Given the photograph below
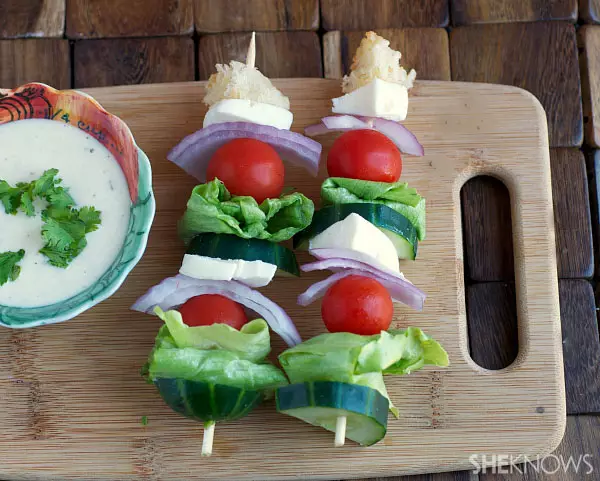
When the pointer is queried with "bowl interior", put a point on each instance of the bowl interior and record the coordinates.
(80, 110)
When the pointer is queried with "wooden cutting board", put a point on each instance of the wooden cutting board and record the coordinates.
(72, 399)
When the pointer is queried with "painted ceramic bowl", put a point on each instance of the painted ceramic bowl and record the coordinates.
(40, 101)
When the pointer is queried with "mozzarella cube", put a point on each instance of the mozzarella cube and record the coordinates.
(241, 110)
(377, 99)
(251, 273)
(359, 235)
(255, 273)
(201, 267)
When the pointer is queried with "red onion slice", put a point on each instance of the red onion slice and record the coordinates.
(400, 289)
(194, 152)
(351, 256)
(174, 291)
(403, 138)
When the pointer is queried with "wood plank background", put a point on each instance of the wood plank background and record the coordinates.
(551, 48)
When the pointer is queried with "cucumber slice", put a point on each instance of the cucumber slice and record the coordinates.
(320, 403)
(207, 402)
(393, 224)
(228, 246)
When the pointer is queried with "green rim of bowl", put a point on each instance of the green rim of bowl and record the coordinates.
(140, 221)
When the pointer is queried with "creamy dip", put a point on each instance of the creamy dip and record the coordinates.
(93, 177)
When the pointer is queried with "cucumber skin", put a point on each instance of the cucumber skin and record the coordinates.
(312, 393)
(230, 247)
(207, 402)
(393, 221)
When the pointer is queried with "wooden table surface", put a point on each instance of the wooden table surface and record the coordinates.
(551, 48)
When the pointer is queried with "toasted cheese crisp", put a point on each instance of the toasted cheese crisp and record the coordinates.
(375, 59)
(238, 81)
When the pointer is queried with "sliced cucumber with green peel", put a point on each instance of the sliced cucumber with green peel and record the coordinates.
(323, 403)
(231, 247)
(206, 401)
(393, 224)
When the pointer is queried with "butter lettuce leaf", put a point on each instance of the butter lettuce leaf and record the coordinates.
(355, 359)
(211, 208)
(218, 354)
(252, 342)
(218, 367)
(396, 195)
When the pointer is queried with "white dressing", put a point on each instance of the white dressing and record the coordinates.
(93, 177)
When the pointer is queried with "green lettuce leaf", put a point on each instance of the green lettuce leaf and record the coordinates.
(354, 359)
(396, 195)
(214, 354)
(211, 208)
(252, 342)
(218, 367)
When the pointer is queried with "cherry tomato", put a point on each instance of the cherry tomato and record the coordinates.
(248, 167)
(212, 309)
(357, 304)
(366, 155)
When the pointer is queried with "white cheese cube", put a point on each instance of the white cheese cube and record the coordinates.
(376, 99)
(251, 273)
(241, 110)
(255, 273)
(201, 267)
(359, 235)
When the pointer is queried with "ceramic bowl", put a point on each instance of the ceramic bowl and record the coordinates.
(35, 100)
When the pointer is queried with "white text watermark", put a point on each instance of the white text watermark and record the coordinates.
(549, 464)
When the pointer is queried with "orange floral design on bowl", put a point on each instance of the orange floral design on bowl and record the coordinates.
(39, 101)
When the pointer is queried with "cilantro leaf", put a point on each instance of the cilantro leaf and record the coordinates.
(27, 204)
(64, 233)
(64, 228)
(4, 187)
(59, 197)
(57, 258)
(57, 213)
(46, 182)
(57, 234)
(90, 217)
(10, 197)
(18, 197)
(9, 268)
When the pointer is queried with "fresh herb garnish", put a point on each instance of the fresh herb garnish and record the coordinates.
(9, 268)
(11, 197)
(64, 232)
(64, 227)
(90, 217)
(46, 182)
(21, 196)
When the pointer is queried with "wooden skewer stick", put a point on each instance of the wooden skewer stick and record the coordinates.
(207, 440)
(251, 55)
(340, 431)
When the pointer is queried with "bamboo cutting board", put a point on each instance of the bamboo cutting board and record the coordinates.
(72, 399)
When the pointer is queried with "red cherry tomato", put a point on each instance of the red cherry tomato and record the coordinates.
(212, 309)
(366, 155)
(357, 304)
(248, 167)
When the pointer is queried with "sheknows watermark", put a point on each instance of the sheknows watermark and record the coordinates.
(550, 464)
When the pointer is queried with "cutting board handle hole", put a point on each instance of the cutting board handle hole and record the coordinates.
(489, 273)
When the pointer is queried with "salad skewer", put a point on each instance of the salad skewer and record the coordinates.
(369, 221)
(208, 438)
(209, 363)
(340, 431)
(251, 55)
